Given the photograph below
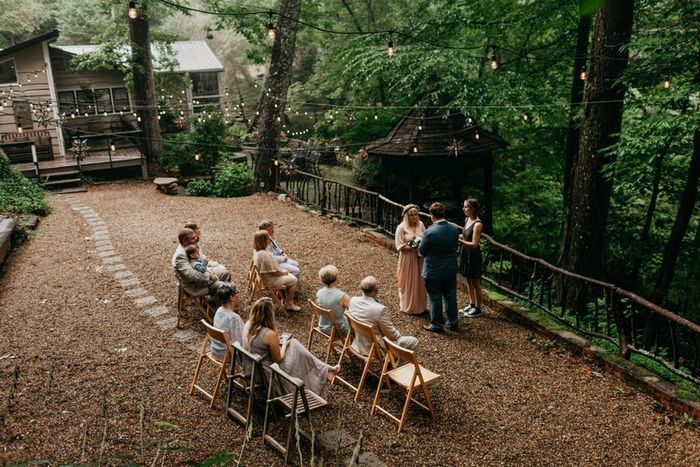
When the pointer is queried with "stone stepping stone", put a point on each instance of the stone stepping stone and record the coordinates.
(122, 274)
(115, 267)
(157, 311)
(112, 260)
(103, 243)
(129, 282)
(369, 459)
(168, 323)
(143, 301)
(328, 440)
(101, 237)
(109, 247)
(106, 253)
(185, 335)
(98, 232)
(135, 292)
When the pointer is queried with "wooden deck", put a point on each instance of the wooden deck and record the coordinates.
(96, 160)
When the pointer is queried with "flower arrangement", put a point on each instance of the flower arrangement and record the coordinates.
(415, 242)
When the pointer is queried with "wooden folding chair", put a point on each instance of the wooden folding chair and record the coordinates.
(250, 278)
(246, 377)
(297, 405)
(336, 333)
(185, 298)
(260, 287)
(220, 335)
(374, 355)
(408, 377)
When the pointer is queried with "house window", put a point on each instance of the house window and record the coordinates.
(8, 72)
(86, 101)
(121, 100)
(103, 99)
(23, 114)
(205, 84)
(66, 102)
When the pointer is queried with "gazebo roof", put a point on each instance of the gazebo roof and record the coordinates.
(437, 136)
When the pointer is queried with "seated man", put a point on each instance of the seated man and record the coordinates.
(367, 309)
(194, 282)
(285, 263)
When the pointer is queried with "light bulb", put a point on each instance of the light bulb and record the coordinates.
(390, 49)
(667, 83)
(583, 74)
(526, 117)
(415, 148)
(112, 147)
(476, 135)
(197, 156)
(271, 33)
(132, 10)
(494, 62)
(19, 127)
(138, 119)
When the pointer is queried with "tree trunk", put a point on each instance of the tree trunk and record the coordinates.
(583, 239)
(680, 225)
(577, 87)
(275, 92)
(144, 85)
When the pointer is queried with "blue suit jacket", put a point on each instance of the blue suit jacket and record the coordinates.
(439, 248)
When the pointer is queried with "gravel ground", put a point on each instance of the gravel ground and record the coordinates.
(92, 365)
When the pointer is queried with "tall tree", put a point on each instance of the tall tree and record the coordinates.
(274, 93)
(144, 84)
(583, 236)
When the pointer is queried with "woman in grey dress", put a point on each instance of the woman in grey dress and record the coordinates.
(291, 355)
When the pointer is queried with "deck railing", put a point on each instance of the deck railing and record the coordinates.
(594, 308)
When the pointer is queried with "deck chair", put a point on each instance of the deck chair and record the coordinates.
(335, 335)
(245, 377)
(297, 405)
(220, 335)
(409, 377)
(199, 300)
(260, 287)
(375, 353)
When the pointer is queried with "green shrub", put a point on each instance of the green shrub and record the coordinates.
(199, 187)
(18, 194)
(178, 156)
(233, 179)
(367, 170)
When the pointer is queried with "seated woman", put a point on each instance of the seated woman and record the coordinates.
(332, 298)
(270, 272)
(291, 356)
(227, 319)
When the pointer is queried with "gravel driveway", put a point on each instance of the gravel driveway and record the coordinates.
(98, 370)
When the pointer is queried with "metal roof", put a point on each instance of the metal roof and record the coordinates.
(191, 56)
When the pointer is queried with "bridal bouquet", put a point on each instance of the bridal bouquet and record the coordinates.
(415, 242)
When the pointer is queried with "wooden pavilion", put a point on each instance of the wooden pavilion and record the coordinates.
(426, 144)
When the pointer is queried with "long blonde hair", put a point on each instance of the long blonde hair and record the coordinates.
(261, 315)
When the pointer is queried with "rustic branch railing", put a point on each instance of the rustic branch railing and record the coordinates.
(589, 306)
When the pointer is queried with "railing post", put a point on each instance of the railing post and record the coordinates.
(323, 196)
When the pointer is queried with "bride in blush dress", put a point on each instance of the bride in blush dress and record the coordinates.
(413, 297)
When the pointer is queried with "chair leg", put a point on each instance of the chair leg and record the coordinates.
(180, 305)
(195, 380)
(365, 370)
(330, 345)
(409, 393)
(375, 402)
(218, 385)
(426, 393)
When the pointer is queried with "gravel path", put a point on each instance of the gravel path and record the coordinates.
(96, 352)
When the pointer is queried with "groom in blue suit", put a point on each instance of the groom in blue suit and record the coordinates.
(439, 248)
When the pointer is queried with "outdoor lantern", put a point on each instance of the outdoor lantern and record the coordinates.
(270, 28)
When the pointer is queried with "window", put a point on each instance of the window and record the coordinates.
(86, 101)
(66, 102)
(121, 100)
(8, 72)
(205, 84)
(23, 114)
(104, 101)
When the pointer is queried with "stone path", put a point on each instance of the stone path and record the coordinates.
(111, 261)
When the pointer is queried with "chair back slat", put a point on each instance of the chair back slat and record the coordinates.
(406, 355)
(318, 311)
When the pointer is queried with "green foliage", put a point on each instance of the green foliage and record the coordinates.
(199, 187)
(232, 180)
(367, 170)
(18, 195)
(178, 156)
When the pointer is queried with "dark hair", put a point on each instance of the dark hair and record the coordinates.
(265, 224)
(225, 292)
(184, 234)
(191, 250)
(474, 204)
(437, 210)
(191, 225)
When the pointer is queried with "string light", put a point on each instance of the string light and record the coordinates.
(197, 156)
(527, 117)
(112, 147)
(583, 74)
(415, 148)
(494, 61)
(667, 83)
(19, 126)
(390, 45)
(132, 10)
(270, 28)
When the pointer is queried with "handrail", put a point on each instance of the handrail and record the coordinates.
(590, 306)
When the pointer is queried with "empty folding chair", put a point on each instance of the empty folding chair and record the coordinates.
(409, 377)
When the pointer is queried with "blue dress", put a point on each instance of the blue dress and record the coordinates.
(329, 297)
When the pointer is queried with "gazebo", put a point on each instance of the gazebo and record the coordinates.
(426, 144)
